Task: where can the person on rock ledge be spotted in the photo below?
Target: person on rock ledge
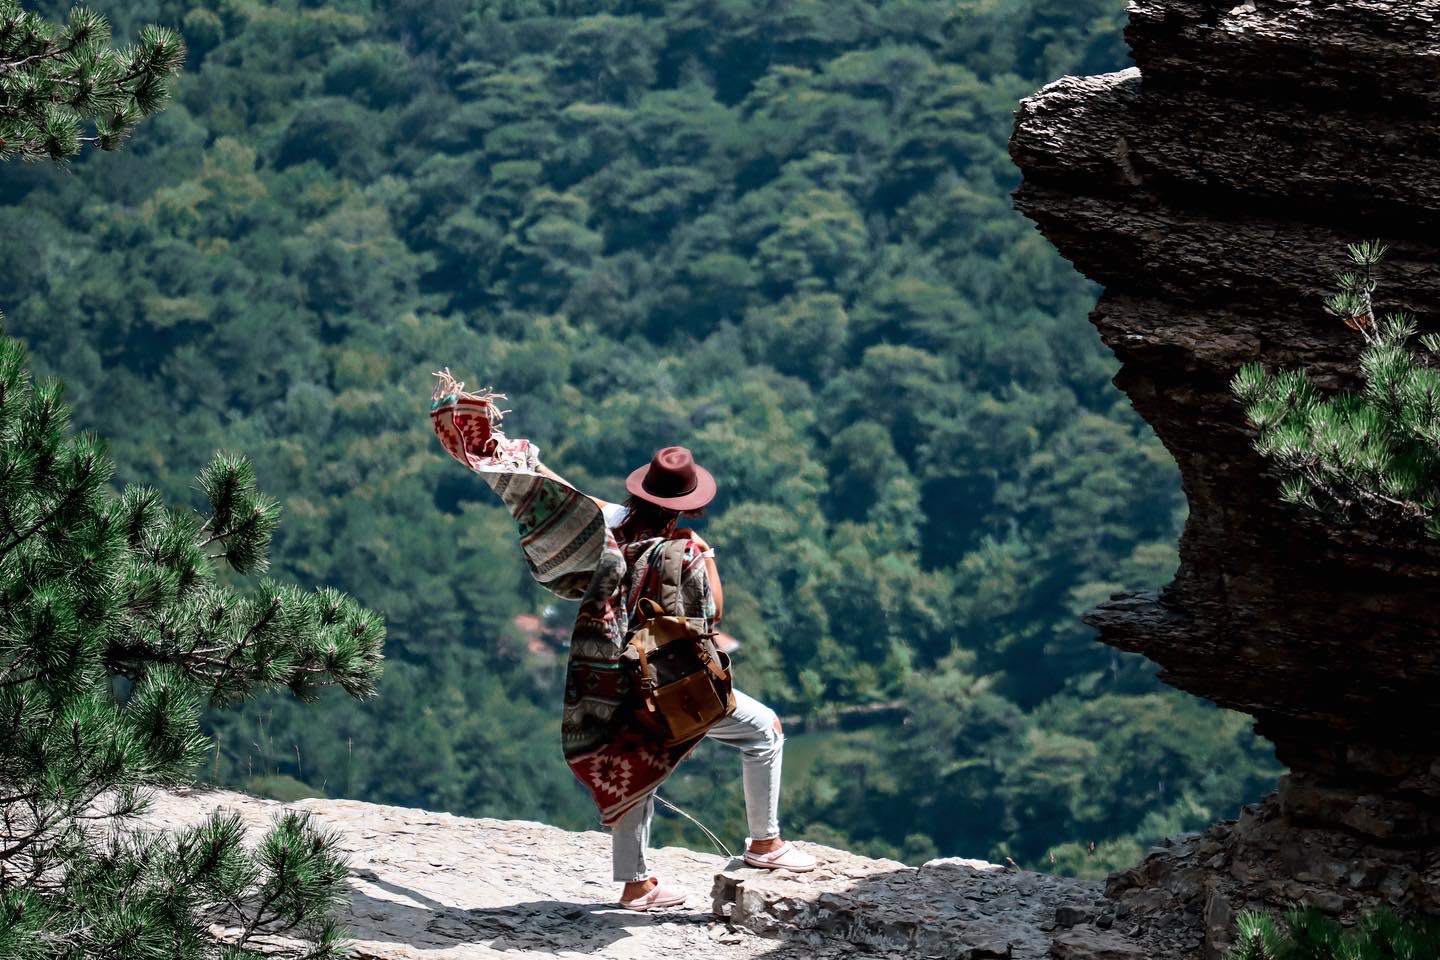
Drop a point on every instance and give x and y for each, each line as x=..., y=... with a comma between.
x=672, y=485
x=612, y=558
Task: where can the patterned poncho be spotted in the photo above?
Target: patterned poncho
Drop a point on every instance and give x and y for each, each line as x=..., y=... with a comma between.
x=573, y=553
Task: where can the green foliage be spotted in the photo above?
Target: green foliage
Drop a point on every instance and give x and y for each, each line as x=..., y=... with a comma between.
x=54, y=78
x=1119, y=771
x=1094, y=861
x=115, y=633
x=1372, y=454
x=777, y=232
x=1307, y=934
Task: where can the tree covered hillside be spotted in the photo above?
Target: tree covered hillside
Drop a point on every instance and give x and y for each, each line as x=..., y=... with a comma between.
x=776, y=231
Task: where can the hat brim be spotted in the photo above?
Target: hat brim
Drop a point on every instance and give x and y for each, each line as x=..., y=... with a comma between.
x=703, y=493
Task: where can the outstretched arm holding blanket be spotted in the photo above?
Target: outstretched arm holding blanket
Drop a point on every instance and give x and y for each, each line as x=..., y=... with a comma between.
x=610, y=567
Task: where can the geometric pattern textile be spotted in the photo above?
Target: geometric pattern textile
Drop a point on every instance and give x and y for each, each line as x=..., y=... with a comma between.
x=572, y=552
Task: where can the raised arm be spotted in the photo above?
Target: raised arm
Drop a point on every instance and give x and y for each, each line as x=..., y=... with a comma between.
x=545, y=471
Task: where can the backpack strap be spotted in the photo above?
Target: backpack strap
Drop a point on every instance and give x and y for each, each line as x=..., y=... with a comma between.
x=672, y=571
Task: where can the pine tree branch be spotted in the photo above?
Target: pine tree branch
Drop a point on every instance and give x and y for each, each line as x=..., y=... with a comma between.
x=53, y=52
x=144, y=587
x=27, y=840
x=65, y=504
x=22, y=537
x=269, y=898
x=213, y=672
x=1375, y=450
x=14, y=665
x=69, y=811
x=265, y=619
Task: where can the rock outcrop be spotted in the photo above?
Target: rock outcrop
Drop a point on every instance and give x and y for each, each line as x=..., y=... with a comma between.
x=1211, y=191
x=440, y=887
x=950, y=908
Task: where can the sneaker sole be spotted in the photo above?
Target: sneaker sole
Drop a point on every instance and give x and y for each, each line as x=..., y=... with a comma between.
x=657, y=905
x=777, y=866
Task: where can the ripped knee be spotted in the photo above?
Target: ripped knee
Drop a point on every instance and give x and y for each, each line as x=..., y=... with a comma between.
x=766, y=737
x=777, y=732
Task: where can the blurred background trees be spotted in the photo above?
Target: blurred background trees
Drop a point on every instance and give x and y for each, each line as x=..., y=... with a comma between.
x=777, y=232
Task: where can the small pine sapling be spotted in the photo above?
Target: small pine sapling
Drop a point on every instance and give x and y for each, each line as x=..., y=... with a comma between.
x=1371, y=454
x=115, y=633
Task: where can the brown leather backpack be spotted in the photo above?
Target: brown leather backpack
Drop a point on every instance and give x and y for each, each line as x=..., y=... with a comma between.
x=683, y=683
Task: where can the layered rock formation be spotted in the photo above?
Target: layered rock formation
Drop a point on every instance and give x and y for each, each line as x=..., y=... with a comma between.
x=440, y=887
x=1211, y=191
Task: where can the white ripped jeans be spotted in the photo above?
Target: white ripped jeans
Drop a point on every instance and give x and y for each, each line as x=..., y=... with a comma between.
x=751, y=729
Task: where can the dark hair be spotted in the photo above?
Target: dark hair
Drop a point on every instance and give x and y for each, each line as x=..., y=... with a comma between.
x=644, y=520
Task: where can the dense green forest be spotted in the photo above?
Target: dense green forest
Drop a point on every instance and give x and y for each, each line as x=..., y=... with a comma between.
x=776, y=231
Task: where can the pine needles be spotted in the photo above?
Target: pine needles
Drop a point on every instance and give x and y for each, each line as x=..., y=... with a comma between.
x=1371, y=455
x=55, y=79
x=115, y=633
x=1306, y=934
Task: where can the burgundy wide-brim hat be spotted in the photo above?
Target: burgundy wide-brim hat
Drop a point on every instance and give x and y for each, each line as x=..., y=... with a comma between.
x=673, y=480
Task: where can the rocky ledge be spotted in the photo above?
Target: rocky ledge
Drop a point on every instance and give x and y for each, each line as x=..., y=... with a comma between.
x=1211, y=191
x=432, y=886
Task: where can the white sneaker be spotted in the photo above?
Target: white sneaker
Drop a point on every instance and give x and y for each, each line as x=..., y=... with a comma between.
x=657, y=897
x=787, y=856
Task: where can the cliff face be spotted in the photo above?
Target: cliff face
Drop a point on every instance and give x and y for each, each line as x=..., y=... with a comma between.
x=1211, y=191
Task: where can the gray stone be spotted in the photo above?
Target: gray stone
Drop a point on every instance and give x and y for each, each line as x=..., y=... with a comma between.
x=426, y=884
x=951, y=909
x=1087, y=943
x=1068, y=915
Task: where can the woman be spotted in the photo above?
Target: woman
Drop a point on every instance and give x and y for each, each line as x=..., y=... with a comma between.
x=608, y=565
x=670, y=486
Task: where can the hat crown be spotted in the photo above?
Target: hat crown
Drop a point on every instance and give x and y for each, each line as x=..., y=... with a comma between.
x=672, y=473
x=672, y=479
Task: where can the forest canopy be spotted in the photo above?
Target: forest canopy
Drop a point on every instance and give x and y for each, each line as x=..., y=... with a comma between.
x=776, y=231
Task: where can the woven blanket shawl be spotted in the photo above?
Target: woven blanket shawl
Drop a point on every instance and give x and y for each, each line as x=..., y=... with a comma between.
x=571, y=552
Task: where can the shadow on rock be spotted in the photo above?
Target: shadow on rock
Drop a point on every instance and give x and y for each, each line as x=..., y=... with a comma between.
x=405, y=916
